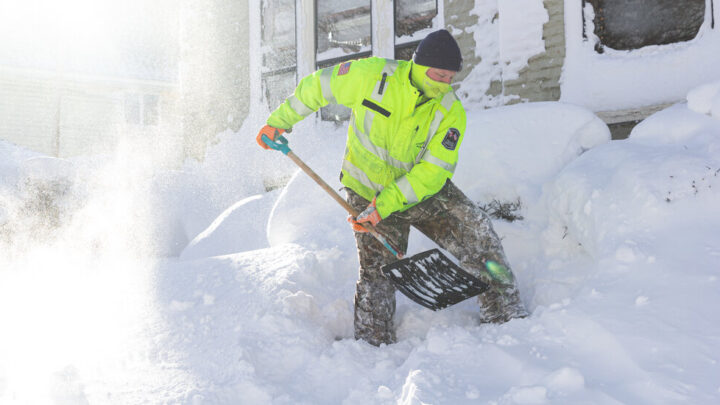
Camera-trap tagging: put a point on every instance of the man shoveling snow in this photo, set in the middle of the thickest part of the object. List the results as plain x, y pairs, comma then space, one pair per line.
403, 140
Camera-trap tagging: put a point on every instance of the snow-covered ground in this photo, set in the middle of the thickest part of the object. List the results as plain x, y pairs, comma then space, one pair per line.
123, 284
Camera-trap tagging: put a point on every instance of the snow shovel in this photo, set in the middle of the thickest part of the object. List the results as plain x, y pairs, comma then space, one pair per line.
429, 278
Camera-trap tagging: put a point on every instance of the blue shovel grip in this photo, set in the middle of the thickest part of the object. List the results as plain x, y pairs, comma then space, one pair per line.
280, 143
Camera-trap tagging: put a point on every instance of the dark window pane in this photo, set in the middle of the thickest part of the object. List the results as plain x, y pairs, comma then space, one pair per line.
278, 87
278, 50
151, 109
343, 28
633, 24
343, 33
405, 51
132, 109
337, 112
278, 34
413, 15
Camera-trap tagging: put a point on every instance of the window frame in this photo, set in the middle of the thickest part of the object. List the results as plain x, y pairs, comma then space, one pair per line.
601, 47
383, 40
149, 114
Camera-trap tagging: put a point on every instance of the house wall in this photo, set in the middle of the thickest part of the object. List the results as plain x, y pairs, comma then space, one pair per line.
28, 113
540, 80
215, 61
64, 116
459, 21
87, 122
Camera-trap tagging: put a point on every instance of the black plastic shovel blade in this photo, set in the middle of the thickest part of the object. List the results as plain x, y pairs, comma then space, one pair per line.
432, 280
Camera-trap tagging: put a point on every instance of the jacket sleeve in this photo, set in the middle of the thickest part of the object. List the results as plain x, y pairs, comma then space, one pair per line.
339, 84
437, 164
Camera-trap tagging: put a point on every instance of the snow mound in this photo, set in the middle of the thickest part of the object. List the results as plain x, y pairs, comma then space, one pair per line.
239, 228
270, 310
47, 169
619, 259
11, 157
305, 214
705, 99
669, 162
508, 152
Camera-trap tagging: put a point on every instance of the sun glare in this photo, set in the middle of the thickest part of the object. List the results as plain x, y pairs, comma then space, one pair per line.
75, 305
68, 34
67, 25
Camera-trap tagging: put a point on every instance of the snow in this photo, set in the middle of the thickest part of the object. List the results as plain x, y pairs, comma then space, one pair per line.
100, 38
256, 307
126, 282
705, 100
220, 237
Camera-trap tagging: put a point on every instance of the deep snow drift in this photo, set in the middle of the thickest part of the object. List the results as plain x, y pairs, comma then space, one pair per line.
617, 256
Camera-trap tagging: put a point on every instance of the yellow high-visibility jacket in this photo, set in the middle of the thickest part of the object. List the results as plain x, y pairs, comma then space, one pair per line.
401, 146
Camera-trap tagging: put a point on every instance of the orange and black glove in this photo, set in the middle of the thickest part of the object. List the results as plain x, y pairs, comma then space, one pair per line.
270, 132
370, 215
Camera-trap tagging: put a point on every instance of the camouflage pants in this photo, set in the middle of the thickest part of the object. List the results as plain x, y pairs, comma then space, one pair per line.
457, 225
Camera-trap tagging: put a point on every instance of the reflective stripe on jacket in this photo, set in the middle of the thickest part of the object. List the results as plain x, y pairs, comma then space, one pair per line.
400, 144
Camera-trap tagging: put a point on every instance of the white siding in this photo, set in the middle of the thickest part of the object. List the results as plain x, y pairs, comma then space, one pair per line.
28, 114
89, 123
68, 116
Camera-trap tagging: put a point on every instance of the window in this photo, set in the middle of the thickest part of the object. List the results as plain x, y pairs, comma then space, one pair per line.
343, 33
132, 109
412, 16
142, 109
279, 60
413, 21
151, 114
343, 30
633, 24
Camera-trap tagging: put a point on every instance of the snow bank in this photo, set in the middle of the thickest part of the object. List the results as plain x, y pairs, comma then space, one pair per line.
304, 213
705, 99
509, 152
232, 170
239, 228
669, 162
255, 324
522, 146
621, 282
46, 169
307, 215
11, 158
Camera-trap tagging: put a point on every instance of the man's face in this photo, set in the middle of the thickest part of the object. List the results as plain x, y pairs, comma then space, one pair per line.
441, 75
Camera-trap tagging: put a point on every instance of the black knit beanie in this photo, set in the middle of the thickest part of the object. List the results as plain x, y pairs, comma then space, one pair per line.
439, 50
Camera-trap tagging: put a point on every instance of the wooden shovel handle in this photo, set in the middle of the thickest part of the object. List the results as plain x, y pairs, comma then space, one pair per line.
350, 210
323, 184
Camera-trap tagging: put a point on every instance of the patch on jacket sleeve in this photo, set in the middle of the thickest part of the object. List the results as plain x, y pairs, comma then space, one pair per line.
344, 68
451, 139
